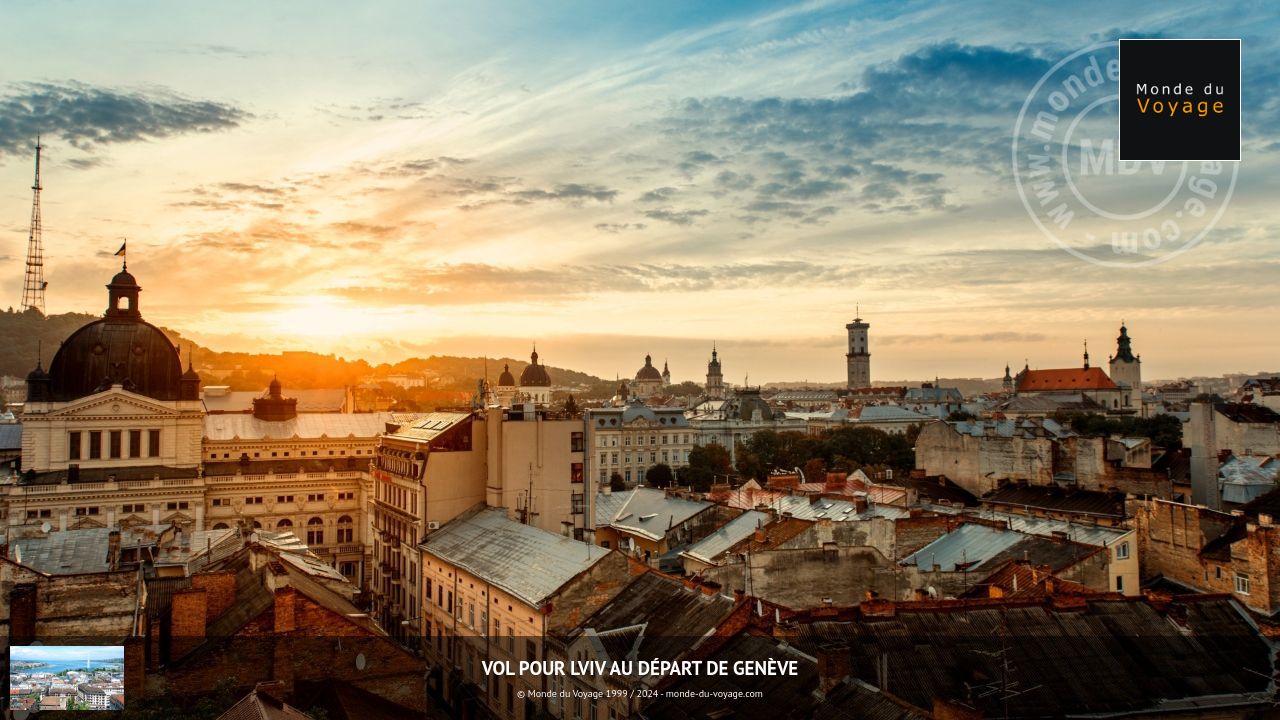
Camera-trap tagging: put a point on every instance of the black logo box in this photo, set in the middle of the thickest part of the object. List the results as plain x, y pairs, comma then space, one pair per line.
1186, 68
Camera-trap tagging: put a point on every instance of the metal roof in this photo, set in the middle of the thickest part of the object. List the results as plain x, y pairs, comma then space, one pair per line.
428, 426
1098, 535
304, 426
527, 562
649, 512
10, 436
968, 544
712, 546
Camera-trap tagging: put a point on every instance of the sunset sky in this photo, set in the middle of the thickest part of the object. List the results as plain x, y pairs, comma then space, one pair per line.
386, 180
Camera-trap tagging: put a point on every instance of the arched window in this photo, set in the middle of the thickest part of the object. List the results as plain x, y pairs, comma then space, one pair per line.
221, 526
284, 523
257, 525
346, 529
315, 531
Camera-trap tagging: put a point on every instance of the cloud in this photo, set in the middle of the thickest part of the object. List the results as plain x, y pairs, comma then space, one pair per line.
570, 192
619, 227
88, 117
676, 217
658, 195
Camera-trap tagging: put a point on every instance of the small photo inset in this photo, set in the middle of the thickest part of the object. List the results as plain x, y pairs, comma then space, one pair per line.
66, 677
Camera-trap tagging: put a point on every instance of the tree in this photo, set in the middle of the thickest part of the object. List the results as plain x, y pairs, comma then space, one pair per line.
958, 415
707, 464
616, 483
660, 476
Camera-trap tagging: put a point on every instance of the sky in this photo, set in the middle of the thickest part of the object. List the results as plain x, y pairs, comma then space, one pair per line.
606, 179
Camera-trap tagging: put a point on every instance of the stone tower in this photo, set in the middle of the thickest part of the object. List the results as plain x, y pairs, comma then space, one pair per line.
1126, 370
715, 378
858, 356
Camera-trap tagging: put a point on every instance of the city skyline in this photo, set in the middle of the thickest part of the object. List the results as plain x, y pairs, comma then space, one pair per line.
608, 182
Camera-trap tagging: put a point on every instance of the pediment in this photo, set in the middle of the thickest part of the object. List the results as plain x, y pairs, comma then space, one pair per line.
84, 521
133, 520
114, 403
177, 518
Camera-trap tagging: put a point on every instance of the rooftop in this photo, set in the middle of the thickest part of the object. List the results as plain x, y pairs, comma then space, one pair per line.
648, 512
529, 563
1058, 499
980, 548
307, 426
1068, 379
714, 545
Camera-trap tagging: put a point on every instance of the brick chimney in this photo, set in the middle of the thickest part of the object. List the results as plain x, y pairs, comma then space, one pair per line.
835, 663
22, 613
113, 550
286, 619
189, 613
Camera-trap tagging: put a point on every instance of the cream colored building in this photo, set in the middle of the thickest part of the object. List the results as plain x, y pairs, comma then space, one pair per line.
628, 440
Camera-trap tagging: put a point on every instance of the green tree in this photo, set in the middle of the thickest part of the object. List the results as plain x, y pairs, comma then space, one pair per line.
707, 464
616, 483
660, 476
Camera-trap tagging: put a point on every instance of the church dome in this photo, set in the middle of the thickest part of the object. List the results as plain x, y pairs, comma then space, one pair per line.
535, 375
506, 379
648, 372
121, 348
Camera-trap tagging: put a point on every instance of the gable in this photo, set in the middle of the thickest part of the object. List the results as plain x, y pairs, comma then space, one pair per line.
113, 403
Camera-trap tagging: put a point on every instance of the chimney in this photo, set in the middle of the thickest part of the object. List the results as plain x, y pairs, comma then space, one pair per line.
759, 536
834, 665
113, 550
22, 613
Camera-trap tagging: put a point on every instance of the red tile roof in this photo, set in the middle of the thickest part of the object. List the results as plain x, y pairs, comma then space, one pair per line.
1091, 378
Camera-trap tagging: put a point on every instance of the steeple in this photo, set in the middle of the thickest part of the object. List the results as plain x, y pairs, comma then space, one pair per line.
1124, 349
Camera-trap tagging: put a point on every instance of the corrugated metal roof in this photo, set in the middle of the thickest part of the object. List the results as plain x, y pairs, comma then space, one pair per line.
1098, 535
710, 547
529, 563
304, 426
968, 544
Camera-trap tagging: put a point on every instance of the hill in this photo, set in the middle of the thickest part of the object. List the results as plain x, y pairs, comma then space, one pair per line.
25, 335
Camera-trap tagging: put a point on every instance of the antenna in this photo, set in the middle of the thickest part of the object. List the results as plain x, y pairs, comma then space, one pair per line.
33, 284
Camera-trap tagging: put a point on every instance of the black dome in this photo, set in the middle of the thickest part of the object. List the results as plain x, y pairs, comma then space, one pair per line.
534, 375
121, 348
133, 353
506, 379
648, 372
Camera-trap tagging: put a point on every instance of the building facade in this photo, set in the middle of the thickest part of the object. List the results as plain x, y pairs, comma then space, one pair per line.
858, 357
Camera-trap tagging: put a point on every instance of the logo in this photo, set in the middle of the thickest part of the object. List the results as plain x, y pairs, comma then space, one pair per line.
1075, 187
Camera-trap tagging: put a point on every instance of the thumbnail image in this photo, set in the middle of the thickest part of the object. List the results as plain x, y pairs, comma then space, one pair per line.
66, 677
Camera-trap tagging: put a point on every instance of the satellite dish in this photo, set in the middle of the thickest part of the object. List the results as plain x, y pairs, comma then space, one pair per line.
45, 527
360, 661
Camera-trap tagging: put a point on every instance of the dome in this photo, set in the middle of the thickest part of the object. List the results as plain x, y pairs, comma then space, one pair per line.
535, 375
121, 348
132, 353
506, 379
648, 372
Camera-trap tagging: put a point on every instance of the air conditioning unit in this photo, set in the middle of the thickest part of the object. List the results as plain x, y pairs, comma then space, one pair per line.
433, 525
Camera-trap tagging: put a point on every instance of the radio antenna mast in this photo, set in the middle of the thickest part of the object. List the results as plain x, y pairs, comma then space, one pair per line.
33, 285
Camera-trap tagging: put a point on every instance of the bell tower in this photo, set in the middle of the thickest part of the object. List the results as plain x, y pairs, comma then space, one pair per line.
1126, 370
858, 357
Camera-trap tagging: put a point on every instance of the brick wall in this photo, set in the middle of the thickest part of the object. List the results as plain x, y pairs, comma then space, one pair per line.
220, 587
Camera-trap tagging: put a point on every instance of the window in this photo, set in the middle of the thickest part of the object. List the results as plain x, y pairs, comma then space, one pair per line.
284, 523
135, 443
575, 472
133, 508
575, 442
257, 500
221, 526
221, 502
117, 440
1122, 551
1119, 583
346, 529
315, 531
34, 515
73, 445
1242, 583
346, 496
284, 498
315, 497
87, 511
183, 505
153, 443
95, 445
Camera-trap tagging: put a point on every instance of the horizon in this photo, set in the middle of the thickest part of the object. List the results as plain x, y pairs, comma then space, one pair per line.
607, 181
